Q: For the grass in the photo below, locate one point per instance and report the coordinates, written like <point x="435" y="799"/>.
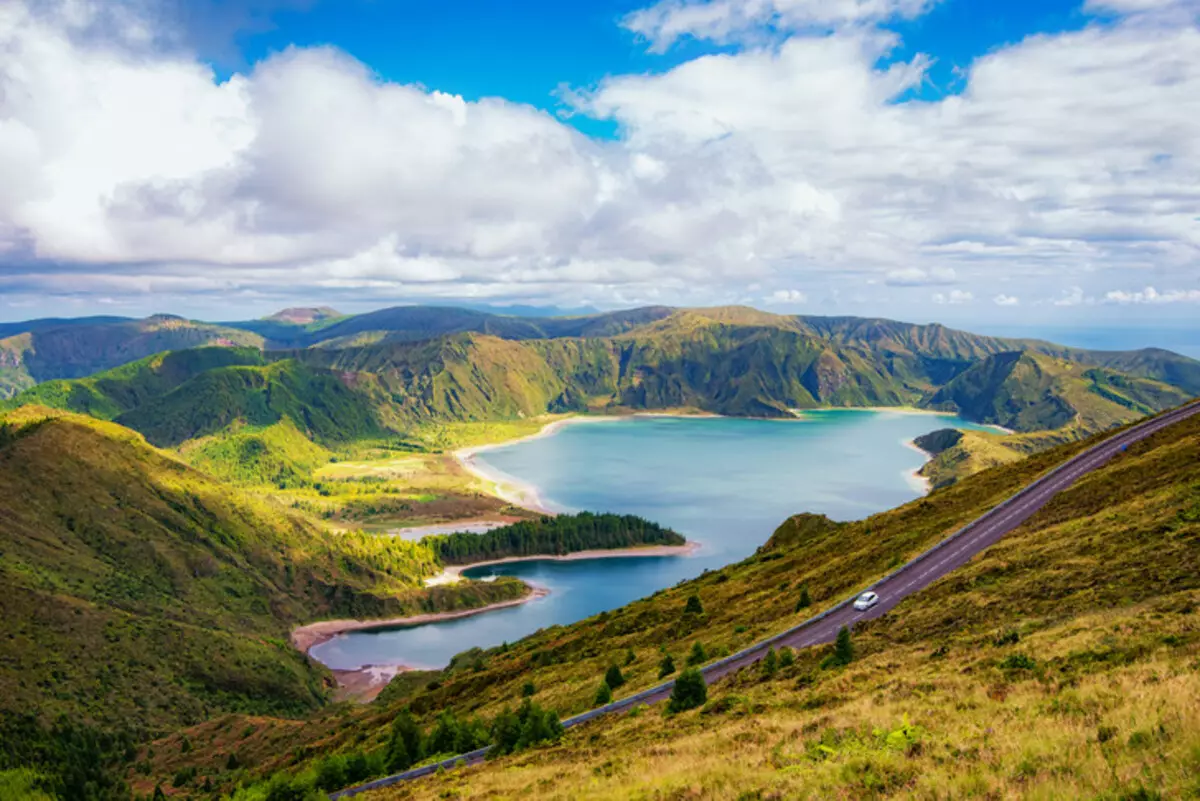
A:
<point x="1081" y="621"/>
<point x="141" y="594"/>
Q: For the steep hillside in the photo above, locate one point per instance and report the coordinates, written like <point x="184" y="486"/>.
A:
<point x="1059" y="664"/>
<point x="415" y="323"/>
<point x="278" y="455"/>
<point x="137" y="593"/>
<point x="111" y="393"/>
<point x="1027" y="391"/>
<point x="75" y="351"/>
<point x="326" y="406"/>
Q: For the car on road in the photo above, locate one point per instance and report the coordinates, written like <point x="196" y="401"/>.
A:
<point x="865" y="601"/>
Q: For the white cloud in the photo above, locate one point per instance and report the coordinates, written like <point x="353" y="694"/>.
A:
<point x="1006" y="300"/>
<point x="1072" y="297"/>
<point x="916" y="276"/>
<point x="1152" y="296"/>
<point x="791" y="296"/>
<point x="1067" y="159"/>
<point x="725" y="21"/>
<point x="956" y="297"/>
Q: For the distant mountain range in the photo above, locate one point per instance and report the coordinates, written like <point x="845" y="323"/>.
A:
<point x="342" y="378"/>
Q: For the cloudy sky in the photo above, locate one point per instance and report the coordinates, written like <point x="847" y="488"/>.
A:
<point x="976" y="162"/>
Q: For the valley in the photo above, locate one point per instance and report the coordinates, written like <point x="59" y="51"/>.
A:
<point x="184" y="523"/>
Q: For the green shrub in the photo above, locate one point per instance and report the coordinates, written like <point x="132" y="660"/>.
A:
<point x="666" y="667"/>
<point x="689" y="692"/>
<point x="697" y="655"/>
<point x="613" y="677"/>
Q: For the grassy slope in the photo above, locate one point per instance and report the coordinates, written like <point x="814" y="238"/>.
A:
<point x="1061" y="663"/>
<point x="140" y="593"/>
<point x="74" y="351"/>
<point x="1127" y="538"/>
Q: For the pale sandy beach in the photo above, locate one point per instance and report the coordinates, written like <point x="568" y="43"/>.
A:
<point x="914" y="477"/>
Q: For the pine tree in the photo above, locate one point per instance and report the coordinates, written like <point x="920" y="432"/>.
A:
<point x="697" y="656"/>
<point x="770" y="663"/>
<point x="613" y="677"/>
<point x="603" y="694"/>
<point x="843" y="649"/>
<point x="666" y="667"/>
<point x="630" y="657"/>
<point x="405" y="748"/>
<point x="529" y="689"/>
<point x="693" y="607"/>
<point x="690" y="691"/>
<point x="805" y="599"/>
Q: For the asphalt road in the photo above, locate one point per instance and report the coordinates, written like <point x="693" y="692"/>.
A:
<point x="943" y="558"/>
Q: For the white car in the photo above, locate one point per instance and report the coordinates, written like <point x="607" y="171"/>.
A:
<point x="865" y="601"/>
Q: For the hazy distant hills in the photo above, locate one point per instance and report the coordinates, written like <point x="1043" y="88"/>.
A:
<point x="373" y="375"/>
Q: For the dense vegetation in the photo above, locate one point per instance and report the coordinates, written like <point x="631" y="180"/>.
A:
<point x="561" y="534"/>
<point x="47" y="350"/>
<point x="1060" y="662"/>
<point x="138" y="593"/>
<point x="424" y="366"/>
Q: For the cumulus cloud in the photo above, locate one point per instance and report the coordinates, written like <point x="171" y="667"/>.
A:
<point x="1006" y="300"/>
<point x="129" y="167"/>
<point x="788" y="296"/>
<point x="1072" y="297"/>
<point x="955" y="297"/>
<point x="916" y="276"/>
<point x="1152" y="296"/>
<point x="725" y="21"/>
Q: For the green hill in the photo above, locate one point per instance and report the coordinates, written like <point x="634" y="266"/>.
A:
<point x="138" y="594"/>
<point x="1027" y="391"/>
<point x="1059" y="664"/>
<point x="424" y="366"/>
<point x="77" y="350"/>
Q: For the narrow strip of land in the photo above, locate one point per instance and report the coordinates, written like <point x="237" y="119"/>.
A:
<point x="940" y="560"/>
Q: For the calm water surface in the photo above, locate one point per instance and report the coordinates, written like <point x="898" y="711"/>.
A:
<point x="725" y="483"/>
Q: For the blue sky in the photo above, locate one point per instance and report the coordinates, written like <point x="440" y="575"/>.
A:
<point x="525" y="51"/>
<point x="975" y="162"/>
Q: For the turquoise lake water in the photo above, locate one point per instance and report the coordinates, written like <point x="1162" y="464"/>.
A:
<point x="725" y="483"/>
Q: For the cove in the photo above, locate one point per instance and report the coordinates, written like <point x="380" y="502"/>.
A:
<point x="725" y="483"/>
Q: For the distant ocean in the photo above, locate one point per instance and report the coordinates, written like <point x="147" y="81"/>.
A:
<point x="1177" y="338"/>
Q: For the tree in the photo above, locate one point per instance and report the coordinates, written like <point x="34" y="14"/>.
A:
<point x="697" y="656"/>
<point x="445" y="734"/>
<point x="506" y="731"/>
<point x="787" y="657"/>
<point x="805" y="599"/>
<point x="690" y="691"/>
<point x="630" y="657"/>
<point x="603" y="694"/>
<point x="613" y="677"/>
<point x="331" y="772"/>
<point x="770" y="663"/>
<point x="529" y="689"/>
<point x="693" y="606"/>
<point x="405" y="747"/>
<point x="666" y="667"/>
<point x="843" y="649"/>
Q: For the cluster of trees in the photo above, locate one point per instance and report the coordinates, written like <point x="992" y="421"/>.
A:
<point x="511" y="730"/>
<point x="410" y="745"/>
<point x="66" y="760"/>
<point x="552" y="536"/>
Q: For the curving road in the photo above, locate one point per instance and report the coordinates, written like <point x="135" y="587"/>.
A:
<point x="943" y="558"/>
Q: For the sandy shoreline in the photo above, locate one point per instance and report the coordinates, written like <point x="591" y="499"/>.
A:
<point x="915" y="479"/>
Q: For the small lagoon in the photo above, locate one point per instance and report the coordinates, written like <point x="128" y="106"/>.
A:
<point x="726" y="483"/>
